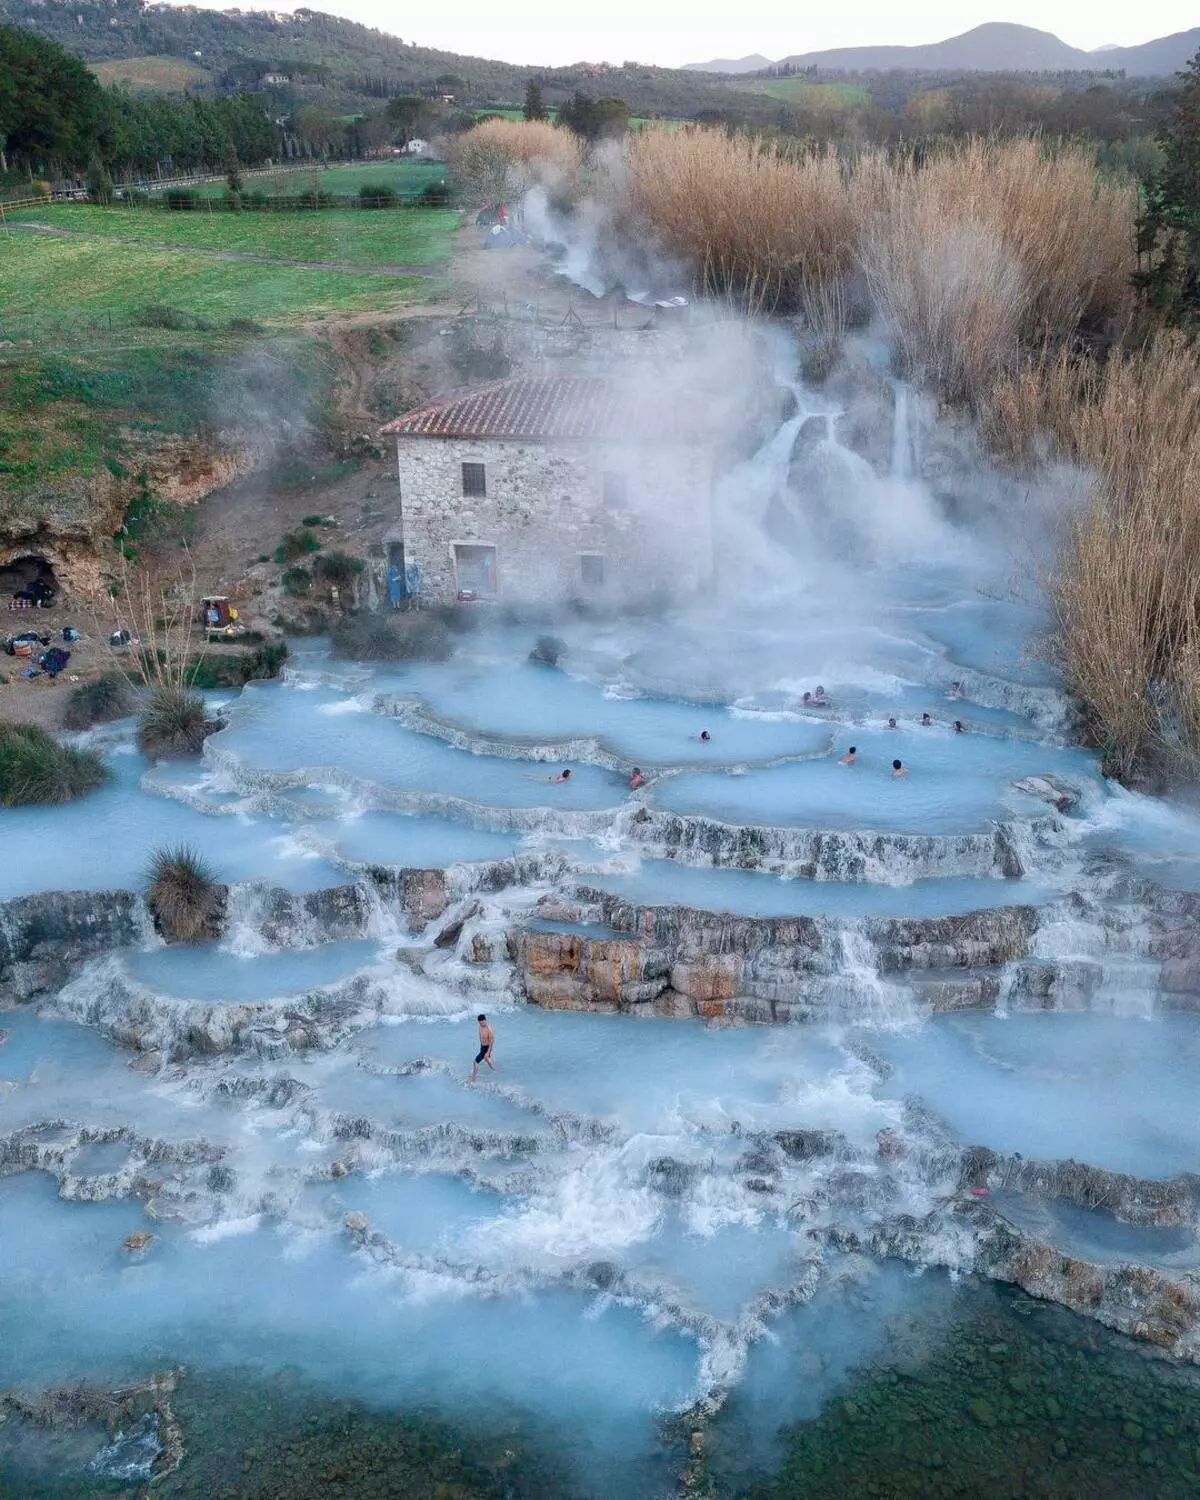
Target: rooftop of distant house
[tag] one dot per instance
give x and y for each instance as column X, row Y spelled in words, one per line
column 554, row 408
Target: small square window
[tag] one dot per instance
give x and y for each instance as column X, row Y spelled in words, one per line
column 474, row 479
column 591, row 570
column 615, row 490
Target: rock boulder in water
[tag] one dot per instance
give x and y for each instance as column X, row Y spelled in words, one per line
column 1053, row 789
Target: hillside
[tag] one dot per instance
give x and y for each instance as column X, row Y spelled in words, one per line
column 340, row 58
column 1001, row 47
column 751, row 64
column 996, row 47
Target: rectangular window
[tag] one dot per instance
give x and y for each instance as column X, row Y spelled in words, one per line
column 615, row 490
column 591, row 570
column 474, row 479
column 475, row 568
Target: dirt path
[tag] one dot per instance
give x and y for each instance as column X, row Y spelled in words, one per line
column 249, row 255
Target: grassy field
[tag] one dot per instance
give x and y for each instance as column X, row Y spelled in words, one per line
column 407, row 237
column 825, row 98
column 53, row 281
column 152, row 75
column 404, row 177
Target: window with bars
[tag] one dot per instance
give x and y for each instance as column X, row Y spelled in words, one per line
column 474, row 480
column 591, row 570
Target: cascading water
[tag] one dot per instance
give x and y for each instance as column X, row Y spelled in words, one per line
column 652, row 1208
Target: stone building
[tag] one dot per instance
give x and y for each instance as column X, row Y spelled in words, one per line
column 554, row 487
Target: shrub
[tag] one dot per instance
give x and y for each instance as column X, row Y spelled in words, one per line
column 96, row 702
column 183, row 200
column 377, row 195
column 235, row 669
column 318, row 520
column 337, row 568
column 435, row 195
column 184, row 898
column 498, row 158
column 173, row 723
column 296, row 581
column 35, row 768
column 154, row 316
column 297, row 544
column 245, row 325
column 413, row 637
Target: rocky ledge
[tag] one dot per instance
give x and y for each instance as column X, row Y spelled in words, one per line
column 612, row 955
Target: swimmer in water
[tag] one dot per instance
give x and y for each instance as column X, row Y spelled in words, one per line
column 850, row 756
column 637, row 779
column 563, row 775
column 926, row 720
column 891, row 721
column 808, row 698
column 704, row 736
column 819, row 695
column 959, row 727
column 898, row 768
column 955, row 690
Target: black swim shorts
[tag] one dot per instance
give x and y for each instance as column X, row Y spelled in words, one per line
column 481, row 1054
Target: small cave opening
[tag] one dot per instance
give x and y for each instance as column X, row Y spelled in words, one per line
column 28, row 583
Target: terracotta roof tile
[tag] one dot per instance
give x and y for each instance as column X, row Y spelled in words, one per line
column 541, row 408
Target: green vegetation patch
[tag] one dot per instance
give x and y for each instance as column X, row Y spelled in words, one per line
column 35, row 768
column 405, row 178
column 47, row 279
column 416, row 237
column 822, row 98
column 152, row 75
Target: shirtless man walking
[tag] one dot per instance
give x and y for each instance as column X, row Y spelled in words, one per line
column 487, row 1040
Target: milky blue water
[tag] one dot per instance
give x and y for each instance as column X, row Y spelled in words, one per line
column 956, row 783
column 206, row 972
column 1116, row 1092
column 660, row 882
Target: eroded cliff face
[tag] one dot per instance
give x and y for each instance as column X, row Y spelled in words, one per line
column 70, row 520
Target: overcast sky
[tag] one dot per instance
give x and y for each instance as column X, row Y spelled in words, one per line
column 664, row 31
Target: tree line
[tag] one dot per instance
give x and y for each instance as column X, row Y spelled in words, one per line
column 57, row 119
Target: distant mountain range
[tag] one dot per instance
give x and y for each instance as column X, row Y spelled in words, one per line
column 997, row 47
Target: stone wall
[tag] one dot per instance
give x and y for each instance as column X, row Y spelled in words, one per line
column 545, row 508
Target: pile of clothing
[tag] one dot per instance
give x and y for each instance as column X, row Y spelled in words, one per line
column 53, row 661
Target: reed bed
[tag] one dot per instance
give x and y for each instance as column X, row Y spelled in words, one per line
column 754, row 224
column 1127, row 585
column 972, row 255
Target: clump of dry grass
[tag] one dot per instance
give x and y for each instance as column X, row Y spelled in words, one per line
column 1127, row 588
column 754, row 224
column 184, row 897
column 990, row 247
column 499, row 159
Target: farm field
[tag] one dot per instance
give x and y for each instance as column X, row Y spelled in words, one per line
column 404, row 177
column 352, row 237
column 57, row 280
column 152, row 75
column 803, row 92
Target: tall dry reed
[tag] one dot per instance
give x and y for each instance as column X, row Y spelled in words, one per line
column 992, row 246
column 1127, row 588
column 755, row 225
